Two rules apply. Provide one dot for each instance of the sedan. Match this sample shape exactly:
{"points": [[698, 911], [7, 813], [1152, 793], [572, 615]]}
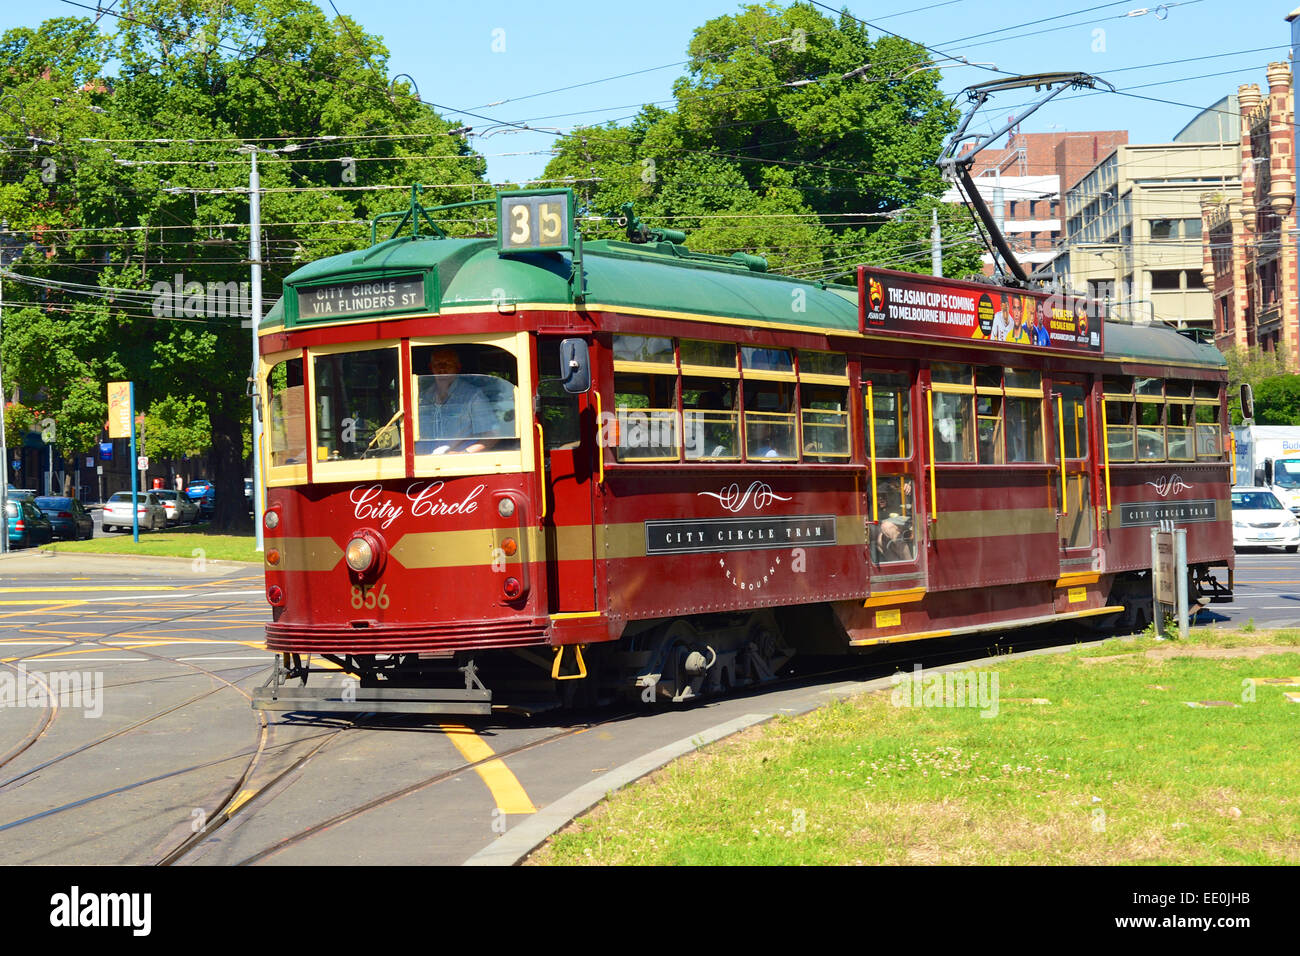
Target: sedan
{"points": [[27, 525], [117, 511], [180, 507], [69, 517], [204, 494], [1260, 521]]}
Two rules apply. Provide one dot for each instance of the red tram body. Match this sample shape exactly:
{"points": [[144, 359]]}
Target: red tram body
{"points": [[760, 465]]}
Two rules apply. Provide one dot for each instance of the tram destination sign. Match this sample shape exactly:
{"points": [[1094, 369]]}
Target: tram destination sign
{"points": [[738, 534], [949, 309], [361, 297]]}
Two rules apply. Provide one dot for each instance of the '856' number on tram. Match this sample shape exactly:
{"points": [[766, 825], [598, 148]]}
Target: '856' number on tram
{"points": [[370, 598]]}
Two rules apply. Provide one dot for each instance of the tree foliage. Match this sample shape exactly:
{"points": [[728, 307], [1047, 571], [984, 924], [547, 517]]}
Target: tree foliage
{"points": [[101, 208], [1277, 400], [793, 135], [1252, 366]]}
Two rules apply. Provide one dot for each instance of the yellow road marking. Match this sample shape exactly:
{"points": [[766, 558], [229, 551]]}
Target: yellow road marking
{"points": [[108, 587], [506, 789], [46, 607], [239, 801], [49, 603]]}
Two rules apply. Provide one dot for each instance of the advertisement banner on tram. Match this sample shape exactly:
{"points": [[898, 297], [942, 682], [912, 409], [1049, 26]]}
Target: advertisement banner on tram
{"points": [[953, 309]]}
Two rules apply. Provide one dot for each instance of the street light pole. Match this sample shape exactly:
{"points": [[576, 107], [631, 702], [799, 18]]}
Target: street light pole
{"points": [[4, 451], [255, 254]]}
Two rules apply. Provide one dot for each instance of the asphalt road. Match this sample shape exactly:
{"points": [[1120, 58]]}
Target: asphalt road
{"points": [[154, 753]]}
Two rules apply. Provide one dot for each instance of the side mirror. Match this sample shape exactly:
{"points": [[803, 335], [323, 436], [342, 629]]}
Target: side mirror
{"points": [[1268, 471], [1247, 402], [575, 366]]}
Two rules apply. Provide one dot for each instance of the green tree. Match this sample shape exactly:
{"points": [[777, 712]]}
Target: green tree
{"points": [[793, 135], [1277, 400], [119, 217], [1250, 366]]}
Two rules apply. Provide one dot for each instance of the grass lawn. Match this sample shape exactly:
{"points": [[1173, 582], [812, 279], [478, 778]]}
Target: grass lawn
{"points": [[1094, 757], [178, 544]]}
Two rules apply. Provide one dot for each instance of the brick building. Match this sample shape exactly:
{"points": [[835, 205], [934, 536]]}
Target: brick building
{"points": [[1249, 243], [1023, 183]]}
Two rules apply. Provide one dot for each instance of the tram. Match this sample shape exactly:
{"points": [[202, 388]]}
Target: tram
{"points": [[588, 468]]}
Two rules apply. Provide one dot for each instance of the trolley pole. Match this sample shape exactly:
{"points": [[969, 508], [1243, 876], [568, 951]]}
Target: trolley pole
{"points": [[255, 255]]}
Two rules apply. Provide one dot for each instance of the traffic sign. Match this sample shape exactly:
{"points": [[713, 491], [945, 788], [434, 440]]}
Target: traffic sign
{"points": [[143, 463]]}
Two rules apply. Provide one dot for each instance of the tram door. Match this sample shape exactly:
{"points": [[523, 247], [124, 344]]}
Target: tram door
{"points": [[567, 428], [1074, 511], [895, 528]]}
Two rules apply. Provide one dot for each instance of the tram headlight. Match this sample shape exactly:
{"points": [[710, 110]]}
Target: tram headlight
{"points": [[271, 520], [506, 507], [360, 555]]}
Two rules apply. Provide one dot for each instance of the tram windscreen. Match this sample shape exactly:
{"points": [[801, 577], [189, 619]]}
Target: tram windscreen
{"points": [[466, 402], [358, 405]]}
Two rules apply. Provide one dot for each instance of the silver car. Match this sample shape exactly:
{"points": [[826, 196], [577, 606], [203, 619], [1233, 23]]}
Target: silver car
{"points": [[117, 511], [180, 507]]}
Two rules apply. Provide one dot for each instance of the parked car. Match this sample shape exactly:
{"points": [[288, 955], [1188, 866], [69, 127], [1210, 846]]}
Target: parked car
{"points": [[1259, 520], [117, 511], [204, 494], [26, 524], [180, 507], [68, 516]]}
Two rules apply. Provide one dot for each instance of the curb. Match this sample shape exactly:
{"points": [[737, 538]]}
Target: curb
{"points": [[512, 847]]}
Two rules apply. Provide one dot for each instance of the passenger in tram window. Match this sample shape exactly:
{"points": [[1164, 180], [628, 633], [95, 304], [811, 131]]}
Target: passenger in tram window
{"points": [[452, 411], [892, 540], [766, 444]]}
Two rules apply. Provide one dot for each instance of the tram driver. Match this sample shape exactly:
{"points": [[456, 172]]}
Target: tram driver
{"points": [[454, 415]]}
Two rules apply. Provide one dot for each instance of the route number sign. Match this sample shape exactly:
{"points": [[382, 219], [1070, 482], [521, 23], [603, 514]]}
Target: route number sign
{"points": [[535, 220]]}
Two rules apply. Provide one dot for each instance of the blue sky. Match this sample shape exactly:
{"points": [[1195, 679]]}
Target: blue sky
{"points": [[492, 58]]}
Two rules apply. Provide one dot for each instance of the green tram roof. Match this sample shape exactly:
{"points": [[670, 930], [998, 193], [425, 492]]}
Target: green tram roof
{"points": [[657, 277]]}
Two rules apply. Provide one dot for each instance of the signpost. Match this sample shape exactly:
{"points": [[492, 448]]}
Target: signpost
{"points": [[121, 424], [1169, 577]]}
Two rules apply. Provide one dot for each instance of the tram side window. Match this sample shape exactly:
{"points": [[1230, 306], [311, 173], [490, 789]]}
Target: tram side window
{"points": [[1120, 414], [287, 426], [824, 405], [710, 422], [466, 399], [1180, 416], [987, 414], [769, 421], [891, 414], [893, 538], [1150, 419], [645, 417], [1023, 392], [1074, 420], [558, 409], [358, 405], [954, 412], [1207, 421], [770, 428], [710, 401], [825, 414]]}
